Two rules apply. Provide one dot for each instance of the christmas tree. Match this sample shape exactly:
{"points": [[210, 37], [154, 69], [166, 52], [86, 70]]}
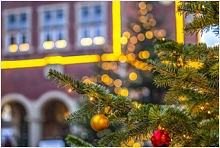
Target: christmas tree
{"points": [[190, 116]]}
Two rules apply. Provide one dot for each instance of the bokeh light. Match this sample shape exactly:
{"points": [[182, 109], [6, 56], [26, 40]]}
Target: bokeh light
{"points": [[132, 76], [123, 40], [99, 40], [86, 41], [60, 44], [149, 34], [48, 44], [131, 47], [126, 34], [141, 37], [24, 47], [142, 5], [133, 40]]}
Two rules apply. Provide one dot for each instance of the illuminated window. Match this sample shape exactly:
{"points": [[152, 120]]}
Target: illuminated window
{"points": [[91, 23], [17, 30], [53, 27]]}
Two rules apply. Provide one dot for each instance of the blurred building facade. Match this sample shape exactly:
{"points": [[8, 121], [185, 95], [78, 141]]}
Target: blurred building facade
{"points": [[33, 108]]}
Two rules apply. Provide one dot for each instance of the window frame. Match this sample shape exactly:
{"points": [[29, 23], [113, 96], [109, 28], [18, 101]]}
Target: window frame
{"points": [[54, 27], [19, 30], [78, 25]]}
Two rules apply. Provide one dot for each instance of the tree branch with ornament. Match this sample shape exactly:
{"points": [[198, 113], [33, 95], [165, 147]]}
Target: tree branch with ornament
{"points": [[190, 116]]}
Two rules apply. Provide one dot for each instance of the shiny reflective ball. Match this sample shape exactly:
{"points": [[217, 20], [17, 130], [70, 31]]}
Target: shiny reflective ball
{"points": [[160, 138], [99, 122]]}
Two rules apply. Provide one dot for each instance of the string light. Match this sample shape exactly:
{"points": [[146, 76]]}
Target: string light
{"points": [[91, 98]]}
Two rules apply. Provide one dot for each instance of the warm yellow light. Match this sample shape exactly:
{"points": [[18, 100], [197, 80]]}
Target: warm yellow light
{"points": [[146, 25], [70, 90], [144, 54], [137, 144], [60, 44], [142, 19], [133, 76], [143, 11], [86, 41], [142, 5], [91, 98], [179, 24], [113, 65], [202, 107], [99, 40], [24, 47], [13, 47], [117, 82], [196, 65], [152, 22], [105, 66], [117, 90], [122, 59], [140, 36], [48, 44], [123, 40], [149, 34], [126, 34], [131, 47], [136, 28], [149, 7], [124, 92], [116, 26], [105, 78], [130, 57], [133, 40]]}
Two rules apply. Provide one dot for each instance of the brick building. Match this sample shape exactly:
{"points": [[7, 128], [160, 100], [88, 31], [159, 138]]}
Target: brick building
{"points": [[38, 35]]}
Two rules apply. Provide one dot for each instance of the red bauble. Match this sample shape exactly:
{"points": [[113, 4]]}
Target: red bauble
{"points": [[160, 138]]}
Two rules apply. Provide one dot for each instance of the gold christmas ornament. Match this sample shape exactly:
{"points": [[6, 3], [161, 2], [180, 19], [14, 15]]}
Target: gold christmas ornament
{"points": [[99, 122]]}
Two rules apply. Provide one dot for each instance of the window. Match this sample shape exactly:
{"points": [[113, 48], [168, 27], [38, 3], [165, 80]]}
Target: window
{"points": [[91, 23], [17, 31], [53, 27]]}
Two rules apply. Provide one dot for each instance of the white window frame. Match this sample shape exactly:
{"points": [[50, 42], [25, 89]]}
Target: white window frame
{"points": [[53, 7], [78, 25], [6, 34]]}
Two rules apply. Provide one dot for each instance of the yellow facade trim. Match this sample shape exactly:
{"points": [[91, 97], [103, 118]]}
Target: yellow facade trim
{"points": [[116, 48], [179, 24]]}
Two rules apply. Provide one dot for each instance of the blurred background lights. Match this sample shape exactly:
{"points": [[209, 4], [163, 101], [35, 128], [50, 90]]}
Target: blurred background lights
{"points": [[143, 11], [123, 40], [142, 19], [24, 47], [131, 47], [142, 5], [149, 7], [141, 37], [130, 57], [124, 92], [99, 40], [13, 47], [144, 54], [48, 44], [117, 82], [60, 44], [133, 40], [166, 3], [149, 34], [122, 58], [136, 28], [126, 34], [86, 41], [132, 76]]}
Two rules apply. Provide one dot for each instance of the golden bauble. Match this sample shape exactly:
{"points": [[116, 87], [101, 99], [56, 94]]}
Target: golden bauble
{"points": [[99, 122]]}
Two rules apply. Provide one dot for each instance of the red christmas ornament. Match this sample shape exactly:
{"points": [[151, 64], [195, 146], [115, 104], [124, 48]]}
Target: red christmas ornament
{"points": [[160, 138]]}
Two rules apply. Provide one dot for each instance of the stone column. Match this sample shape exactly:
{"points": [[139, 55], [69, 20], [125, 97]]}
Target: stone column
{"points": [[34, 131]]}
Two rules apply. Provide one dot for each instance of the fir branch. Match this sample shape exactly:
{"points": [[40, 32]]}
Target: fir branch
{"points": [[76, 142]]}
